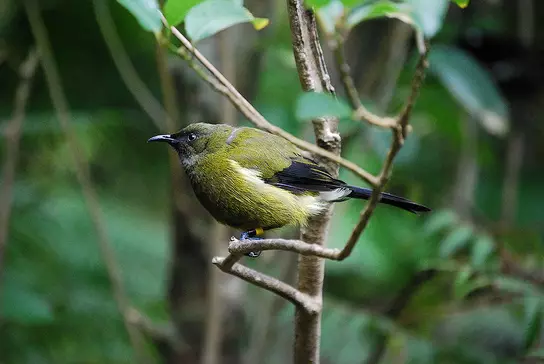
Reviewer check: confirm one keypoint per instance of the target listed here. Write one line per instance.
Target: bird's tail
(388, 199)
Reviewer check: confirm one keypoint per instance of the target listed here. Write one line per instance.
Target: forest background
(463, 284)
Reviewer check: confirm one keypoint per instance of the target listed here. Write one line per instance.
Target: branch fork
(282, 289)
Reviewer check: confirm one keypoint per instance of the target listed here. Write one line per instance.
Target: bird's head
(195, 140)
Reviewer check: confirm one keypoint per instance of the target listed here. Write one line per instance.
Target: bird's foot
(252, 235)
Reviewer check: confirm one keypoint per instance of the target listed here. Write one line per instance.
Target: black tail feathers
(388, 199)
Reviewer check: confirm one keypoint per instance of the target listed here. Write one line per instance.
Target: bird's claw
(247, 235)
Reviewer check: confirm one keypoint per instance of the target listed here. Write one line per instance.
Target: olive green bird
(254, 181)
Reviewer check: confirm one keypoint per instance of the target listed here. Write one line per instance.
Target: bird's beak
(162, 138)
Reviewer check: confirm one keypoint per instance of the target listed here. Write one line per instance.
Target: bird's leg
(252, 235)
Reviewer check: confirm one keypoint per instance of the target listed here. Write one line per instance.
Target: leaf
(429, 14)
(440, 220)
(481, 250)
(176, 10)
(472, 86)
(533, 321)
(316, 3)
(330, 15)
(311, 105)
(455, 241)
(147, 13)
(461, 280)
(260, 23)
(23, 306)
(380, 9)
(514, 285)
(212, 16)
(389, 9)
(462, 3)
(352, 3)
(465, 283)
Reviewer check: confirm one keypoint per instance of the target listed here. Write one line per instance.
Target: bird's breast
(239, 197)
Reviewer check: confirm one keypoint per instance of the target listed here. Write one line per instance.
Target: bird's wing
(305, 174)
(279, 163)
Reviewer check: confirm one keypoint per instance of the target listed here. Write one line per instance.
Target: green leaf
(176, 10)
(455, 241)
(353, 3)
(461, 3)
(380, 9)
(146, 12)
(330, 15)
(440, 220)
(316, 3)
(465, 283)
(481, 250)
(472, 86)
(389, 9)
(461, 280)
(311, 105)
(23, 306)
(429, 14)
(533, 321)
(514, 285)
(212, 16)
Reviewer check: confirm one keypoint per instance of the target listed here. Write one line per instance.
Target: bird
(255, 181)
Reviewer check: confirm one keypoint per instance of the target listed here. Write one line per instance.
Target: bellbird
(254, 181)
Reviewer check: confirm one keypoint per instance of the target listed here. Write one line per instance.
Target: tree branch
(81, 167)
(360, 112)
(399, 133)
(160, 333)
(291, 294)
(314, 77)
(13, 137)
(213, 77)
(298, 246)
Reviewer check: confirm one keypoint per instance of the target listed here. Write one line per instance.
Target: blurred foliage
(430, 289)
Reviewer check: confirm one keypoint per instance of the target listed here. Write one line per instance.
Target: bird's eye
(191, 137)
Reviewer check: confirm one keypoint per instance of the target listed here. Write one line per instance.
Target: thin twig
(13, 136)
(223, 86)
(81, 167)
(290, 293)
(126, 69)
(298, 246)
(360, 111)
(399, 133)
(160, 333)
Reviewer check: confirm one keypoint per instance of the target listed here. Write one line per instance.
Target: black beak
(162, 138)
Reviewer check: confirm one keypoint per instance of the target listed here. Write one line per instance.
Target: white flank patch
(335, 195)
(312, 204)
(251, 175)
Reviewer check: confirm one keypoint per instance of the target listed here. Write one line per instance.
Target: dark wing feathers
(305, 175)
